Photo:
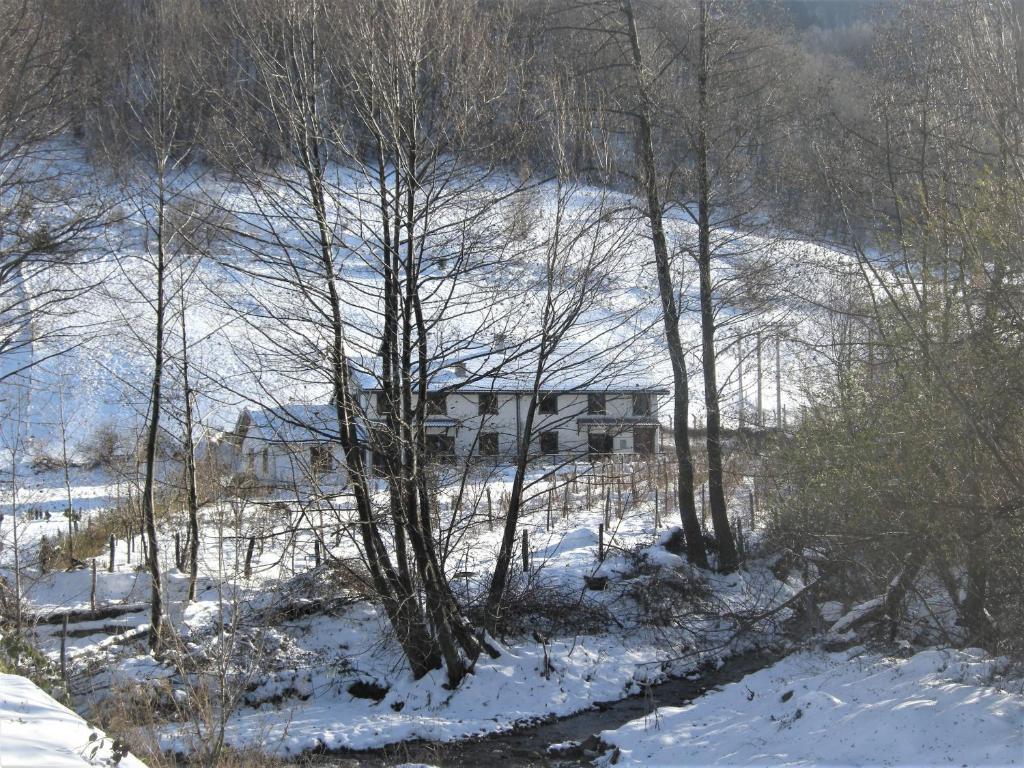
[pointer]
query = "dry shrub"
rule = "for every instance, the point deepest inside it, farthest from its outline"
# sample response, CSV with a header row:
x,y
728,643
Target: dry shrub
x,y
661,595
530,606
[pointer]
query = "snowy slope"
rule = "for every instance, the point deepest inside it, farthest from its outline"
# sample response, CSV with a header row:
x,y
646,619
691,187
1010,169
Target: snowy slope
x,y
36,731
238,310
934,708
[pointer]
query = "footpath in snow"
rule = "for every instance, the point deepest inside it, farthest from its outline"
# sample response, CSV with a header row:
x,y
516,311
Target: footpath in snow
x,y
934,708
36,731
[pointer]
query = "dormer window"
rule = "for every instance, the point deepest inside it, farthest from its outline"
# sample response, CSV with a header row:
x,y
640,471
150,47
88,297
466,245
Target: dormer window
x,y
596,405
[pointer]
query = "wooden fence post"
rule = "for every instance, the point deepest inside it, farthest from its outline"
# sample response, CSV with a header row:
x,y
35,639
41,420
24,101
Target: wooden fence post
x,y
600,542
607,506
111,542
490,510
657,518
177,550
92,592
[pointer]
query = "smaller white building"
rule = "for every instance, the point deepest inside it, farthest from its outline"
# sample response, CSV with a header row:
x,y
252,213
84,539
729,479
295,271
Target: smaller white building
x,y
290,444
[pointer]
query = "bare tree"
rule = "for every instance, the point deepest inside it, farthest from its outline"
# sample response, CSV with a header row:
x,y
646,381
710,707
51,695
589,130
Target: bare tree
x,y
160,84
576,275
401,192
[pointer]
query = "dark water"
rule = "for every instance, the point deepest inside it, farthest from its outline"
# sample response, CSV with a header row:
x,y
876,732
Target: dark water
x,y
528,746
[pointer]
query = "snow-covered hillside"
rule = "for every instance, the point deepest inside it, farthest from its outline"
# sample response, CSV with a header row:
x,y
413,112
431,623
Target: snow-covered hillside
x,y
241,313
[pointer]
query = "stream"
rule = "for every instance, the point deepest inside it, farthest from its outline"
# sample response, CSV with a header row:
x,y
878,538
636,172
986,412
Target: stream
x,y
528,745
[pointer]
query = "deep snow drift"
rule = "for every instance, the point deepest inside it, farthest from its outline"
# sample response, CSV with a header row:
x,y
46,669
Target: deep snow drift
x,y
36,731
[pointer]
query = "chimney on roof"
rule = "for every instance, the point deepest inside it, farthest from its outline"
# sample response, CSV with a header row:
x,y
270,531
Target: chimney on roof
x,y
459,369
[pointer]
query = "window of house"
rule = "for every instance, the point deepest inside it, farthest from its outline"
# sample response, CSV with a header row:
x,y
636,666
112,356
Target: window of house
x,y
321,459
380,463
641,404
383,403
266,460
599,443
488,443
596,404
548,442
437,404
441,446
548,403
643,441
488,404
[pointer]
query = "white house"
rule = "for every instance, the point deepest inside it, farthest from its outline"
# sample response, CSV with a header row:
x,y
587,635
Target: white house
x,y
475,417
482,419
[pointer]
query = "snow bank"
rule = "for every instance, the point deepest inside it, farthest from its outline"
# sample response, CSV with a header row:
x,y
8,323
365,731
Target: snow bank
x,y
36,731
817,709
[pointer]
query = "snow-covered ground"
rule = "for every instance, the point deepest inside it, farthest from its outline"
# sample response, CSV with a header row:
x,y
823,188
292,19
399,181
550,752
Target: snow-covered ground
x,y
293,673
937,707
36,731
296,672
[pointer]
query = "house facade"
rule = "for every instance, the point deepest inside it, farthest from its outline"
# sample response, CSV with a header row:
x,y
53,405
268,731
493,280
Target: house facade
x,y
489,423
297,443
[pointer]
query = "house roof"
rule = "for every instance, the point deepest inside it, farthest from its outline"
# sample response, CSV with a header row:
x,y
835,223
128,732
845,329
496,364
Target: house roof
x,y
510,370
479,387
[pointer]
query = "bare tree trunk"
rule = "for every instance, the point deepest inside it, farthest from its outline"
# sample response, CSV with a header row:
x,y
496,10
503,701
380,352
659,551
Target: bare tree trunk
x,y
153,429
695,551
728,559
67,469
508,539
191,493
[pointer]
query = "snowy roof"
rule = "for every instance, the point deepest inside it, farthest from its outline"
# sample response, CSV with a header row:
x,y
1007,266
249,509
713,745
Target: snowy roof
x,y
498,372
